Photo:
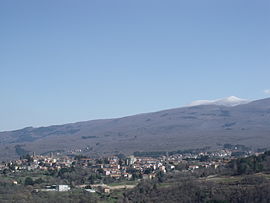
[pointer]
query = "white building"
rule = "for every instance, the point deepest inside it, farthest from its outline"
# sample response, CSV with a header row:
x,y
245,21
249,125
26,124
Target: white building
x,y
62,188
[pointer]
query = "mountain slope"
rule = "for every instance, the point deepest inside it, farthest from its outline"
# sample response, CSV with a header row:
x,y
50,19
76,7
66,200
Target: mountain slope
x,y
174,129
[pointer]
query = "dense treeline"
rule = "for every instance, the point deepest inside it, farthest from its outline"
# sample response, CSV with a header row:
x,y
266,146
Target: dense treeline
x,y
251,164
237,146
249,189
164,153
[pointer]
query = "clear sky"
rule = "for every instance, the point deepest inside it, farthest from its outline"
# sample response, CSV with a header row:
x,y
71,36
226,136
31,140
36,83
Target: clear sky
x,y
64,61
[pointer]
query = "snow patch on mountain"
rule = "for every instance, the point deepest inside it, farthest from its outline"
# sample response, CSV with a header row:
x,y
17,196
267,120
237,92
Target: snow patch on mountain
x,y
228,101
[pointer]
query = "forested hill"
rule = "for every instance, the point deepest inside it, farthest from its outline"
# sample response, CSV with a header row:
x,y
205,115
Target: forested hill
x,y
169,130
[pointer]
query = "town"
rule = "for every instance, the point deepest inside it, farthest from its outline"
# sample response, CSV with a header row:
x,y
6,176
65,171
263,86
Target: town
x,y
104,174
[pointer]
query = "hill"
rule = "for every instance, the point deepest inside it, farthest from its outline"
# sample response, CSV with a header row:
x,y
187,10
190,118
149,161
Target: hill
x,y
181,128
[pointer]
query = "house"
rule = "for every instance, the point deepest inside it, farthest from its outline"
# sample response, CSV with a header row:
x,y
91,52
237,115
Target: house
x,y
131,160
62,188
148,176
106,172
163,169
170,167
106,190
115,175
193,167
90,190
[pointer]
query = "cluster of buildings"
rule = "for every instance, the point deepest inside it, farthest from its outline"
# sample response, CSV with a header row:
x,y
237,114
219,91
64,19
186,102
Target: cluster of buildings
x,y
130,167
114,167
38,162
55,188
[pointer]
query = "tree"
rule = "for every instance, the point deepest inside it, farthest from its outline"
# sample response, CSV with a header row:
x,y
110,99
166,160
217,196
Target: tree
x,y
63,171
121,162
100,170
160,176
91,179
39,181
148,171
29,181
29,158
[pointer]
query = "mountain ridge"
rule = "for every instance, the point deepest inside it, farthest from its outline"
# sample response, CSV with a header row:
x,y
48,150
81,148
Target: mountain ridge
x,y
172,129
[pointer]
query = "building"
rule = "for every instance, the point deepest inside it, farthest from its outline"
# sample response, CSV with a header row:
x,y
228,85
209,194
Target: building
x,y
62,188
106,190
90,190
131,160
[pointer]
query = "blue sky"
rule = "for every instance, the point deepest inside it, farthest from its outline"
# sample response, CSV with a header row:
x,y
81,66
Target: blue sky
x,y
65,61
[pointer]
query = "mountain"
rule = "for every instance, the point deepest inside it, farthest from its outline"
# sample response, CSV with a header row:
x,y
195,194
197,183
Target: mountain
x,y
174,129
229,101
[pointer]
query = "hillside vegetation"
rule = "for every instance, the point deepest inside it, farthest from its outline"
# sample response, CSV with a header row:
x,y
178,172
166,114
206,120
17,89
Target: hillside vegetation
x,y
170,130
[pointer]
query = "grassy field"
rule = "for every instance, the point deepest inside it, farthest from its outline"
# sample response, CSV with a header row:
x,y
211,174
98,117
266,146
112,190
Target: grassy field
x,y
135,182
